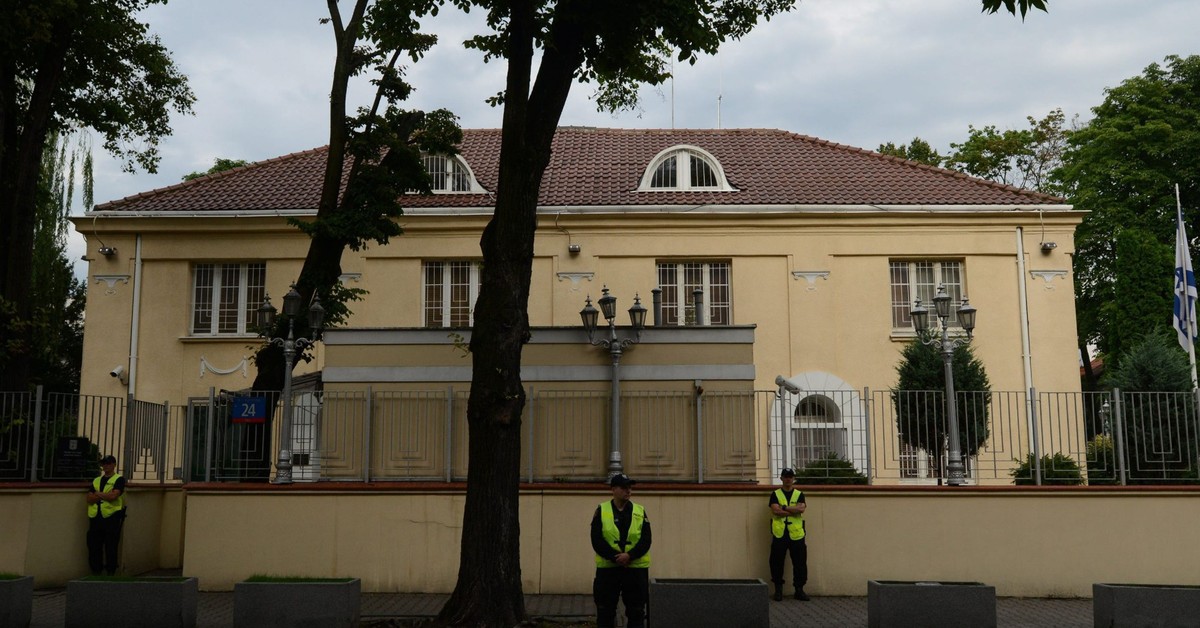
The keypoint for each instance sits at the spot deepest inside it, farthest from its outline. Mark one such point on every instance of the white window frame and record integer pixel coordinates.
(473, 266)
(248, 298)
(682, 303)
(683, 155)
(457, 166)
(814, 435)
(952, 273)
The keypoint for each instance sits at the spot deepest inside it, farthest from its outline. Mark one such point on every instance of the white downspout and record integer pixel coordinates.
(135, 319)
(1026, 359)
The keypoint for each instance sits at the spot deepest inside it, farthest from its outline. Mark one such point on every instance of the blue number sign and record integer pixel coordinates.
(249, 410)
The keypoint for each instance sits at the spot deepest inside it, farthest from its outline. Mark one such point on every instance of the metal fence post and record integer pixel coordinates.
(1119, 427)
(369, 412)
(449, 433)
(868, 420)
(1034, 440)
(529, 418)
(35, 445)
(698, 395)
(164, 428)
(208, 441)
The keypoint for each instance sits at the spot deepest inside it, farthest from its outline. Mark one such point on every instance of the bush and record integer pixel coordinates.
(1057, 470)
(1101, 461)
(830, 469)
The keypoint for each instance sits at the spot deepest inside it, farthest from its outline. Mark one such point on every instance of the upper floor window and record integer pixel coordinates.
(449, 174)
(451, 288)
(679, 282)
(684, 168)
(919, 279)
(226, 297)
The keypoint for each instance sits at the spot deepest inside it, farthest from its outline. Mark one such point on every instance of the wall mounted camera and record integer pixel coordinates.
(1049, 246)
(108, 251)
(120, 373)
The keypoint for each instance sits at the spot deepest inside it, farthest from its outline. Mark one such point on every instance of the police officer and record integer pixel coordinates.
(106, 514)
(787, 531)
(621, 540)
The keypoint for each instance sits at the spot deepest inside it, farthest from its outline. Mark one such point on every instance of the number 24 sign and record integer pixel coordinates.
(249, 410)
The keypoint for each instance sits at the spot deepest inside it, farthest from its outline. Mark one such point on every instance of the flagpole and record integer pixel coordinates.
(1188, 306)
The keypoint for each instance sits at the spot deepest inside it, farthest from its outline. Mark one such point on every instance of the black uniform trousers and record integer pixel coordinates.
(799, 551)
(632, 585)
(103, 537)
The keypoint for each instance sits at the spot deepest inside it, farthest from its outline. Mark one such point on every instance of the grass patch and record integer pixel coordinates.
(294, 579)
(149, 579)
(4, 575)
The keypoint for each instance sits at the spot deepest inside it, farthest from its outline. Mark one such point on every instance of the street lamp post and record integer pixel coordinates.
(966, 318)
(615, 346)
(291, 345)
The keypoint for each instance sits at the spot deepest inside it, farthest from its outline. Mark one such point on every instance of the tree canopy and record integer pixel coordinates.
(1023, 158)
(917, 150)
(1122, 167)
(66, 65)
(220, 164)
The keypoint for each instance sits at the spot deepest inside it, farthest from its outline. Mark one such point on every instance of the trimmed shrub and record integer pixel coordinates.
(1057, 470)
(830, 469)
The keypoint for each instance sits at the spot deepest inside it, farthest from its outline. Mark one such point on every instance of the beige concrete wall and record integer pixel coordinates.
(1024, 542)
(44, 532)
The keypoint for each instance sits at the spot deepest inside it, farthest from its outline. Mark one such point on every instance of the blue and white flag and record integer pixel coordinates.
(1185, 288)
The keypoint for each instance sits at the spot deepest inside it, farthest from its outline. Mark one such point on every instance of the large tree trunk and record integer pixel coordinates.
(488, 592)
(22, 143)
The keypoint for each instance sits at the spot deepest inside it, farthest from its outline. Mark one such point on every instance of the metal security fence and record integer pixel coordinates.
(884, 436)
(60, 437)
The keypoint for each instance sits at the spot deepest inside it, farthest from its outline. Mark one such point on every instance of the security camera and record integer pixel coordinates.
(787, 385)
(120, 374)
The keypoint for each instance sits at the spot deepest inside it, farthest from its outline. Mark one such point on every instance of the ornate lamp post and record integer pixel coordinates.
(291, 345)
(615, 346)
(966, 318)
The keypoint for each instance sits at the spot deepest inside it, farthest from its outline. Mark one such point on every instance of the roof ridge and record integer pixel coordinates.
(207, 178)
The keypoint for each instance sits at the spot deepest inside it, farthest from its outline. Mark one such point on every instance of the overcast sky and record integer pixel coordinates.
(858, 72)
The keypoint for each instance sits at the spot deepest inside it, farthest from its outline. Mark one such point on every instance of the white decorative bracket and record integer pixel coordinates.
(811, 276)
(575, 278)
(1048, 276)
(347, 277)
(111, 280)
(240, 366)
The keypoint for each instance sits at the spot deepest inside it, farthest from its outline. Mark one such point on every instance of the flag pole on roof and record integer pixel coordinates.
(1184, 316)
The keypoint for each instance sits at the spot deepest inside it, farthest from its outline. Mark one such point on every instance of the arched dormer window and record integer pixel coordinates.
(450, 175)
(684, 168)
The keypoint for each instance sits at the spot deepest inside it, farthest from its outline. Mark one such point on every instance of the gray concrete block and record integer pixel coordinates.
(930, 604)
(1145, 605)
(296, 604)
(708, 603)
(141, 603)
(16, 602)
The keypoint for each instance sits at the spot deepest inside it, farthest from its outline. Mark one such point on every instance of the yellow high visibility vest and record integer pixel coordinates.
(794, 524)
(106, 509)
(612, 535)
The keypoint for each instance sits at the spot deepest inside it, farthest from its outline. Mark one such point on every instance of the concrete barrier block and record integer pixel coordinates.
(16, 602)
(142, 603)
(930, 604)
(708, 603)
(331, 604)
(1145, 605)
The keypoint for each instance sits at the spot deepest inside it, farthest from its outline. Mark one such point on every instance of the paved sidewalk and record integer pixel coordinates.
(216, 610)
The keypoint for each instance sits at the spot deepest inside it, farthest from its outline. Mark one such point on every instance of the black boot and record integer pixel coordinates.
(801, 595)
(778, 597)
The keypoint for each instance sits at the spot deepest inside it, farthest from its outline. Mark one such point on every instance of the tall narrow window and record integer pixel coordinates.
(680, 280)
(451, 288)
(818, 431)
(225, 297)
(919, 279)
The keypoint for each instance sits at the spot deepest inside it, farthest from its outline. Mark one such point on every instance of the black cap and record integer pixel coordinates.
(109, 459)
(787, 473)
(621, 479)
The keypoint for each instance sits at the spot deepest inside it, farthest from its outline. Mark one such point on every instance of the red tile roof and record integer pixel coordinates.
(603, 167)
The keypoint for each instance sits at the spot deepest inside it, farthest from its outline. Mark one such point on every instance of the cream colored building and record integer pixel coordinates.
(807, 255)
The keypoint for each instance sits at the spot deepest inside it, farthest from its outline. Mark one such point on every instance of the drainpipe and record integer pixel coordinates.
(1026, 359)
(135, 319)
